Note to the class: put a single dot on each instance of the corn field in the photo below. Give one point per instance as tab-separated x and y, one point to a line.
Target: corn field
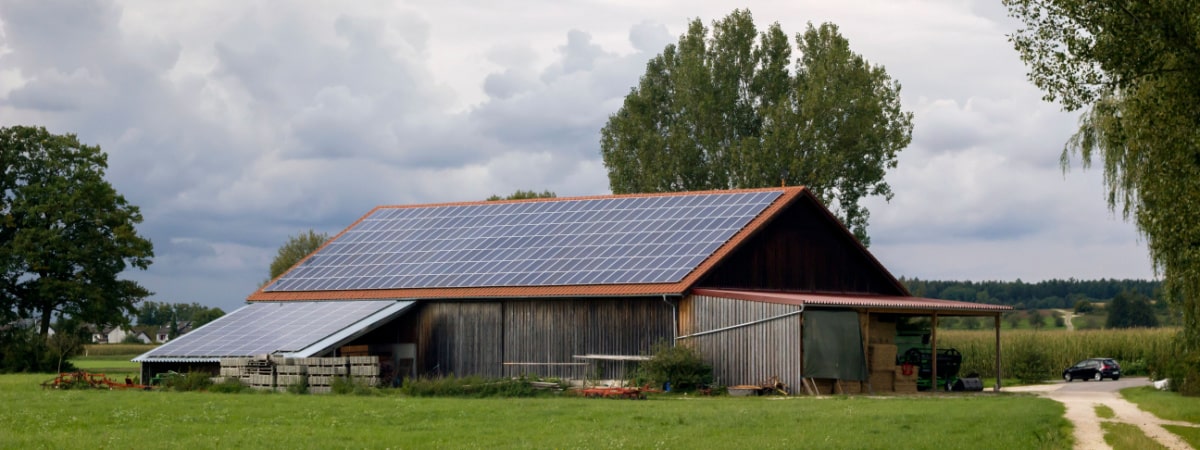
1139	350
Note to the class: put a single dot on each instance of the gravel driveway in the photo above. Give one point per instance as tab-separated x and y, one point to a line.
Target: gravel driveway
1081	398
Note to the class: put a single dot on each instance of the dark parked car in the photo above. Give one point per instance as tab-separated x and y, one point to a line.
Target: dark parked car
1093	369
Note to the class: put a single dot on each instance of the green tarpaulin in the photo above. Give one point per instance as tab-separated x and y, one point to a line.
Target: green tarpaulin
833	346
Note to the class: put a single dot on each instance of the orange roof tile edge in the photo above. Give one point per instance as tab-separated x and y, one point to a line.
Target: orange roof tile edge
788	195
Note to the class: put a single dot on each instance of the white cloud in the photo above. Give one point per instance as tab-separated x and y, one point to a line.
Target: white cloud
235	124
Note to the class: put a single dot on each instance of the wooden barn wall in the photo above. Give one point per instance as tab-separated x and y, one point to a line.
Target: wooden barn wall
800	251
745	355
541	335
460	338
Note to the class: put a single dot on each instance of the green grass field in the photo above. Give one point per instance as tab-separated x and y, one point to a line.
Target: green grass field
37	418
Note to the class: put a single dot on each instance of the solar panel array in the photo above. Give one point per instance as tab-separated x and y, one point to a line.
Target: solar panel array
265	328
617	240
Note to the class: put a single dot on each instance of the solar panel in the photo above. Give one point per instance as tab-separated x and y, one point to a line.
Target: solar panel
616	240
266	328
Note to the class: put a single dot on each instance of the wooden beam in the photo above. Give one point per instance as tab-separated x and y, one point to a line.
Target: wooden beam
933	354
996	388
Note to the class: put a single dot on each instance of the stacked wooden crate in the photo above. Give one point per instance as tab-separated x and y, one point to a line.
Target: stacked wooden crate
364	369
277	372
258	373
290	375
322	371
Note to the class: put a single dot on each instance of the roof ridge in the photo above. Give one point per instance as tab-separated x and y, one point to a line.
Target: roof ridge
592	197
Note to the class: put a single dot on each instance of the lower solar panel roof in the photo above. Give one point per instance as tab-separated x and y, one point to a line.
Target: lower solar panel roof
298	329
610	240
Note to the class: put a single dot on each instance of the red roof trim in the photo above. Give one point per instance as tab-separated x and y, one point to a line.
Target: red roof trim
852	300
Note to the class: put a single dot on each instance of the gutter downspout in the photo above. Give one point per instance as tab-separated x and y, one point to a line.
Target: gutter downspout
674	319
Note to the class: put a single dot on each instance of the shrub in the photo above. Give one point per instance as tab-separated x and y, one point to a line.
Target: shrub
1030	363
298	388
191	381
229	386
345	386
25	350
679	365
476	387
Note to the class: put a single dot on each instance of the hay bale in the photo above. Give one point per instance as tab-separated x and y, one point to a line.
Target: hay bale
882	381
882	357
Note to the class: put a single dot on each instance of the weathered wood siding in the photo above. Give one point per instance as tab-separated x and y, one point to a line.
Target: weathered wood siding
745	355
542	336
801	251
460	338
554	330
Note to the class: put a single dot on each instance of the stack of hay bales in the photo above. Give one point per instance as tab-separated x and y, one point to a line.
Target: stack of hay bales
906	382
881	354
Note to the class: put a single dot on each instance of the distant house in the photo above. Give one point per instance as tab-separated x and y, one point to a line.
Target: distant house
117	335
163	334
25	323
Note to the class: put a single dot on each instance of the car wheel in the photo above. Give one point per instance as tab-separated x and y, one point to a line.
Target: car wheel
1116	377
1099	376
1067	377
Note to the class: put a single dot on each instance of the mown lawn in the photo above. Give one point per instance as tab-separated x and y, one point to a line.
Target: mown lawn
36	418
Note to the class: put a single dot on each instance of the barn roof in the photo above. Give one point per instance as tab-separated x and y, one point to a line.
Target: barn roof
299	329
615	245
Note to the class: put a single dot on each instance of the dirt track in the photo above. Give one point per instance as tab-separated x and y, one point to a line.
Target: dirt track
1081	399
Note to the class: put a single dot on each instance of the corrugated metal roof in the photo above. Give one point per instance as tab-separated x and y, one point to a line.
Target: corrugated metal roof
854	301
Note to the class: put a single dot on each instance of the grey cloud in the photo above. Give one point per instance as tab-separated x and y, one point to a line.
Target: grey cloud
650	37
509	83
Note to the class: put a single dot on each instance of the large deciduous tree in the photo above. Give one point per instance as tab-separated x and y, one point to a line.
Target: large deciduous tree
66	235
1134	69
724	111
523	195
295	249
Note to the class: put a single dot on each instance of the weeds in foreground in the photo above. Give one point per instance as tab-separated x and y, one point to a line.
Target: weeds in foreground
475	387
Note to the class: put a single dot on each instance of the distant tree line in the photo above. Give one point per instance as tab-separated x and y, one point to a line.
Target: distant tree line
164	314
1049	294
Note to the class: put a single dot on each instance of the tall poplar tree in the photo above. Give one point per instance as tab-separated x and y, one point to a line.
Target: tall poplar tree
723	110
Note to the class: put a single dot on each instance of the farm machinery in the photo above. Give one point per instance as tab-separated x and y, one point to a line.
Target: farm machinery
86	380
948	361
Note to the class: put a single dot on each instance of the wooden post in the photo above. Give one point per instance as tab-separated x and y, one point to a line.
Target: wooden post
996	388
866	337
933	354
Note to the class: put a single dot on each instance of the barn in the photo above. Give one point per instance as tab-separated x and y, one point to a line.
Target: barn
764	283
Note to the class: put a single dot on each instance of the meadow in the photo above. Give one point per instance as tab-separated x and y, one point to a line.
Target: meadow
37	418
1136	349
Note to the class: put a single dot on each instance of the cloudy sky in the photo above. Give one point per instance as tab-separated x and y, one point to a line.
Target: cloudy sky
234	124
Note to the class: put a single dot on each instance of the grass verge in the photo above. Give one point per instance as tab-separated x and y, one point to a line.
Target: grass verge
1104	412
1123	436
1191	435
1164	404
127	419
